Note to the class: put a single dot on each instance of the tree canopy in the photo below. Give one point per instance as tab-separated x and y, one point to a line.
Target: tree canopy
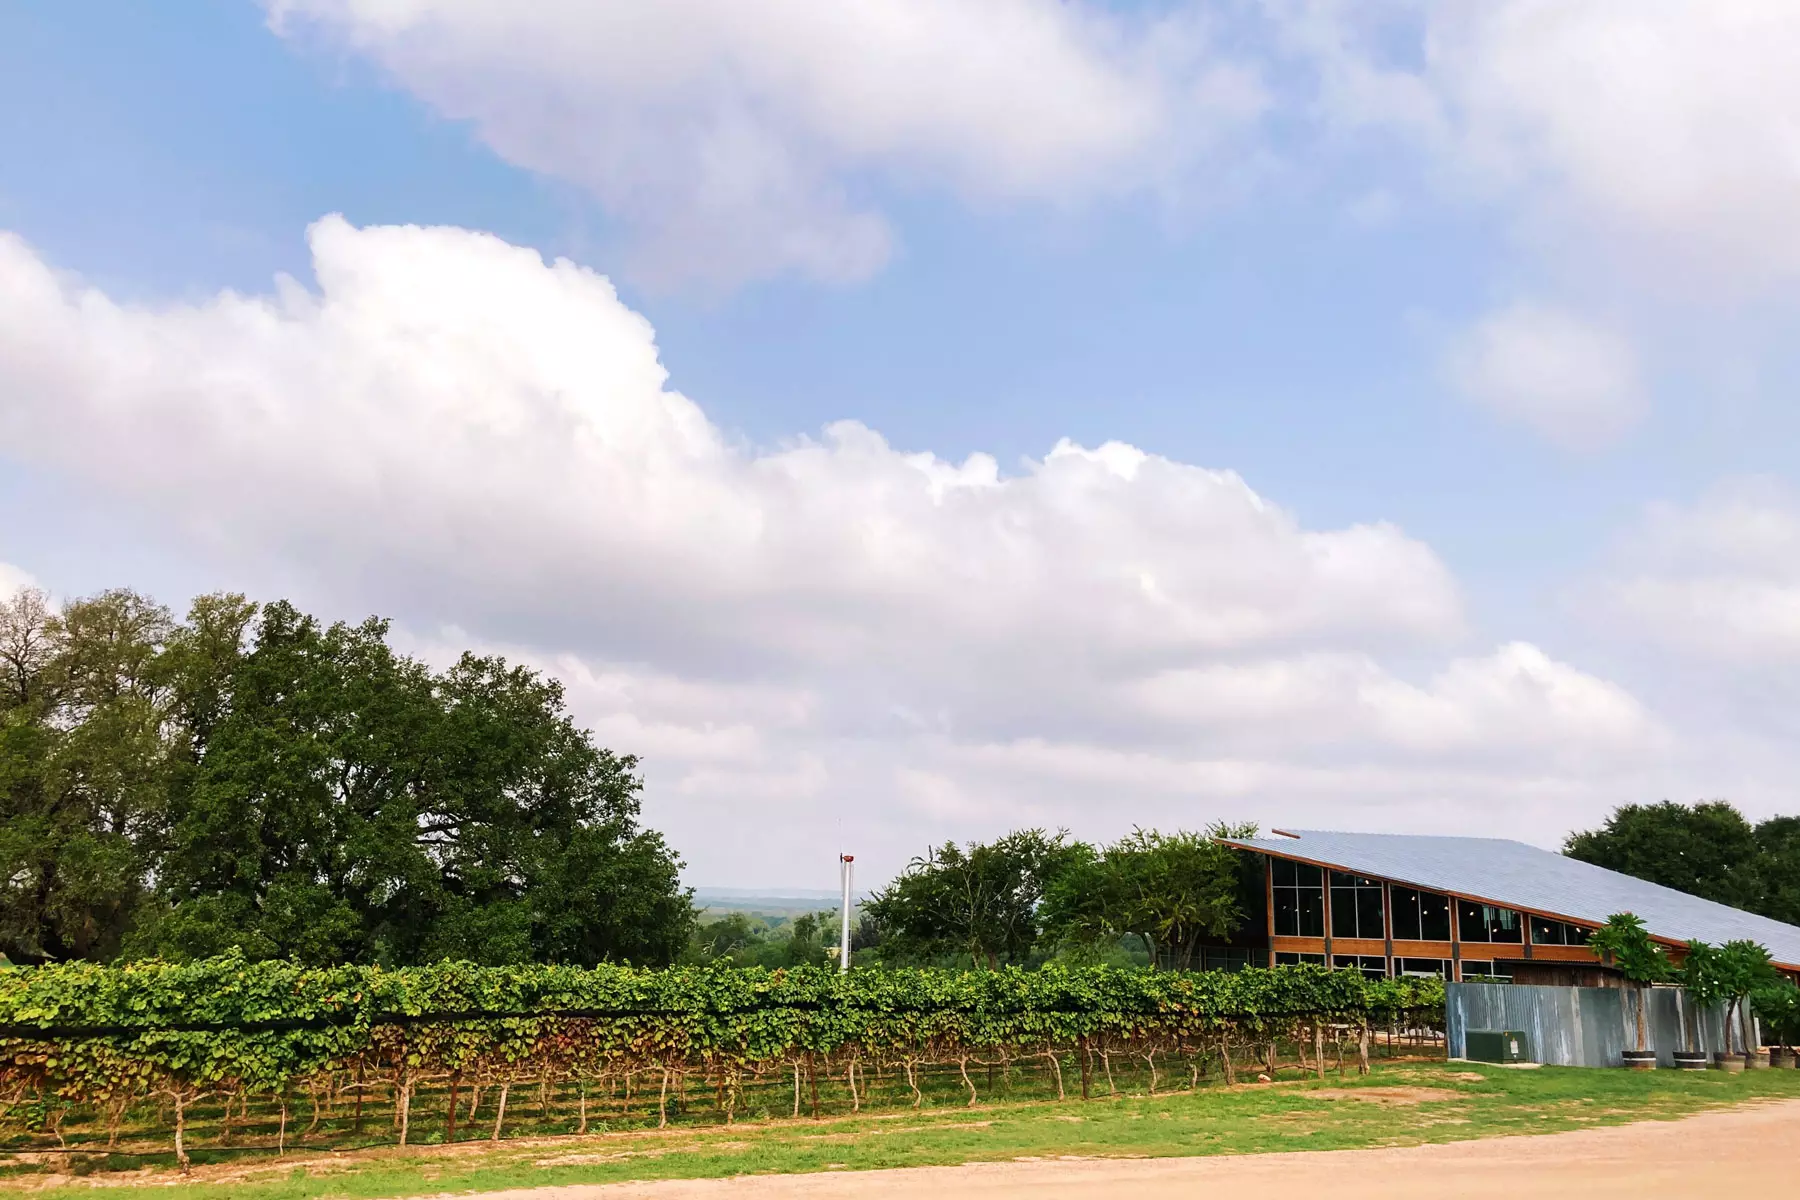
979	902
1171	890
1031	894
252	778
1707	849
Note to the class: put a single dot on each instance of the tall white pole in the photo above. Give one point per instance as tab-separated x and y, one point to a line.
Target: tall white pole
844	869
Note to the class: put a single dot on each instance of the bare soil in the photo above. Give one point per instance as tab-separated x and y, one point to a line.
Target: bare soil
1744	1152
1402	1096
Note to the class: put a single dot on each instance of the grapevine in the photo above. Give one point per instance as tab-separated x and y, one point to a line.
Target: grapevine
109	1037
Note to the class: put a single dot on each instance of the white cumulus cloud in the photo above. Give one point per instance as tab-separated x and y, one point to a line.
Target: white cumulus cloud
455	432
735	138
1719	578
1658	129
14	580
1573	382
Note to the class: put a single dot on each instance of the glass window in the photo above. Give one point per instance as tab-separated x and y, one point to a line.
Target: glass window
1490	971
1356	907
1503	925
1223	958
1485	923
1545	932
1372	965
1422	966
1299	898
1284	959
1420	916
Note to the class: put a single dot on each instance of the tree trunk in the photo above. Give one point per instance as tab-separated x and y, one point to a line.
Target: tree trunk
181	1154
405	1106
500	1110
1643	997
1319	1049
450	1131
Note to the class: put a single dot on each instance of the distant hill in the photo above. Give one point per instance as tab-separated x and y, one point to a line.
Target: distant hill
770	901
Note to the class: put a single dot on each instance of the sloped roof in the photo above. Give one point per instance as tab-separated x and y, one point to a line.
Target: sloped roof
1516	875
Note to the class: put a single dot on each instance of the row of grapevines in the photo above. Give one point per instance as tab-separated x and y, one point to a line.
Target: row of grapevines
96	1035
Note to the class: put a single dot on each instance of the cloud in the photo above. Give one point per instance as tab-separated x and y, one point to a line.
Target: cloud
1718	579
1665	121
482	444
1647	128
14	580
1572	382
739	140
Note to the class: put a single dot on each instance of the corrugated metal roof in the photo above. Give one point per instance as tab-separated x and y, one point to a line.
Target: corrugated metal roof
1515	875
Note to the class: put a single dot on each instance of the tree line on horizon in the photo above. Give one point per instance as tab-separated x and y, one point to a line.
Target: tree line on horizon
1020	900
249	777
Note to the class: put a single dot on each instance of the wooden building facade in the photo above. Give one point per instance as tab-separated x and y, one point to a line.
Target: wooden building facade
1335	909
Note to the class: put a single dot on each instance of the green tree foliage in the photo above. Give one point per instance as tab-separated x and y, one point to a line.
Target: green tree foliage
746	940
1777	1002
1728	975
1746	968
1778	868
1171	890
978	904
254	780
1707	850
1625	945
1699	974
88	754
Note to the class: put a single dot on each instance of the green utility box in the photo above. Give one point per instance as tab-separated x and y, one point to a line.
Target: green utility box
1496	1045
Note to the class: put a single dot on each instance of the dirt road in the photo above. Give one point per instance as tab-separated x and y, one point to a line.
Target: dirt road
1740	1154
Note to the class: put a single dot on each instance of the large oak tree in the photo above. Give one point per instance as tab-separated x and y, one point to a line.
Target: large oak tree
255	779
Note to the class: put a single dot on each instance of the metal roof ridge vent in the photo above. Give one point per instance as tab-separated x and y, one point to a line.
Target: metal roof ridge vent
1420	837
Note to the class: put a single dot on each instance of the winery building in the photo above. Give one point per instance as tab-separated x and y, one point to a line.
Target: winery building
1468	908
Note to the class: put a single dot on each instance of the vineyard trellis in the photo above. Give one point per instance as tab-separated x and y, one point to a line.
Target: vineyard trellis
106	1039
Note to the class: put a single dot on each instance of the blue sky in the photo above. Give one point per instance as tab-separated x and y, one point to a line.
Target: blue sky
1290	301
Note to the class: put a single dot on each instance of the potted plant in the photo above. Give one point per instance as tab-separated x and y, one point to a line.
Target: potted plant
1699	980
1745	968
1625	945
1778	1004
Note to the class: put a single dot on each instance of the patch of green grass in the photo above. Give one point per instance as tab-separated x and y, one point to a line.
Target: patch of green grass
1399	1104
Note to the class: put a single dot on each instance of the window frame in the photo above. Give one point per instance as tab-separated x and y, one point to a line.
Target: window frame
1410	902
1373	966
1488	918
1409	967
1298	958
1296	893
1351	897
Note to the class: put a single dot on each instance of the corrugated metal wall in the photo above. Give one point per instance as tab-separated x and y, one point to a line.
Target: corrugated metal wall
1578	1027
